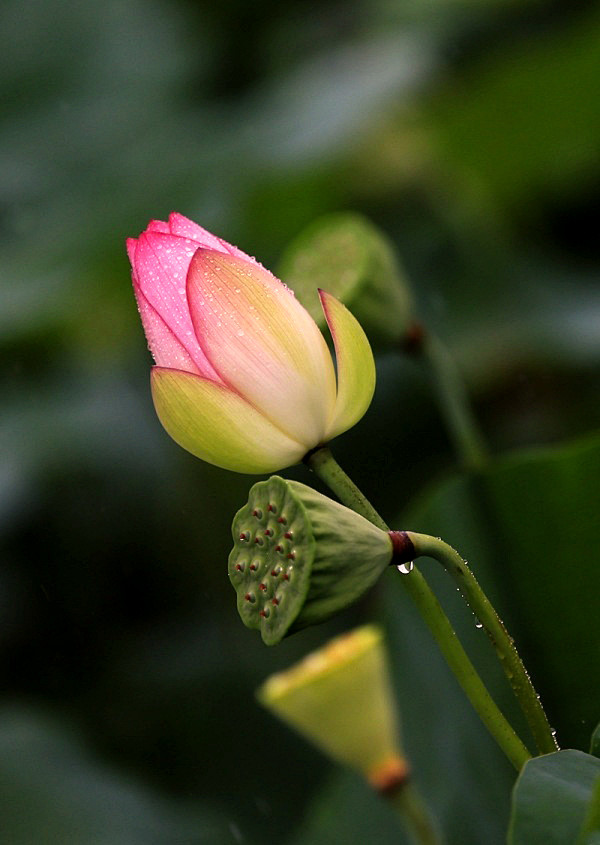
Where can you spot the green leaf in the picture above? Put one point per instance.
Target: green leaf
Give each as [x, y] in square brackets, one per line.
[552, 800]
[590, 832]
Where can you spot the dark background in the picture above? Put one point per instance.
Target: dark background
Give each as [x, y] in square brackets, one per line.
[470, 133]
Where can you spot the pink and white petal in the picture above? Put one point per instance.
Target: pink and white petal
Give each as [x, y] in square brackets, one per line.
[355, 365]
[160, 269]
[181, 225]
[219, 426]
[233, 250]
[158, 226]
[166, 350]
[263, 343]
[185, 228]
[131, 247]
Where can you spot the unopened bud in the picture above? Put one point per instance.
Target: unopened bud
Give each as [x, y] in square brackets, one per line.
[350, 257]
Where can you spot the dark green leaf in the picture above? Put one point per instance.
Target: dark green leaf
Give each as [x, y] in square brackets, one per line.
[55, 791]
[552, 798]
[590, 832]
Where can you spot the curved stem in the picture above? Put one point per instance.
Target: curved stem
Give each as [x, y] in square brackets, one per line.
[323, 464]
[409, 803]
[494, 627]
[454, 403]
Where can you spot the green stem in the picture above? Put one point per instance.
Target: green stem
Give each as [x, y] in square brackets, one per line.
[454, 403]
[503, 643]
[324, 465]
[410, 805]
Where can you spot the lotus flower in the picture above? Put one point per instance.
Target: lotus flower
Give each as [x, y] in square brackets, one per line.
[243, 376]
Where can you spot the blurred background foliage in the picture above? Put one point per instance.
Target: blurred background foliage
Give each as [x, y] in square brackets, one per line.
[469, 131]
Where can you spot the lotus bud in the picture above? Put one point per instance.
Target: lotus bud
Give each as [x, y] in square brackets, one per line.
[299, 557]
[340, 699]
[243, 378]
[348, 256]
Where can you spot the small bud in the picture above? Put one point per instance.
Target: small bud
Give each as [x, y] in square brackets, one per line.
[347, 255]
[340, 699]
[315, 558]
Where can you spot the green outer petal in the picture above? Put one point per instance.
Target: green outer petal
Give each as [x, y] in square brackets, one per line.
[355, 365]
[219, 426]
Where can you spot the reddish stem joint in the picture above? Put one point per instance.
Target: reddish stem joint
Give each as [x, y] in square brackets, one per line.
[403, 550]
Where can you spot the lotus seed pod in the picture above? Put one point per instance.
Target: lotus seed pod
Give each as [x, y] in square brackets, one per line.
[348, 256]
[340, 698]
[299, 557]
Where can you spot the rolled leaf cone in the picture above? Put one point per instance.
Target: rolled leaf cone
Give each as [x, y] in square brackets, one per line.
[299, 557]
[340, 699]
[350, 257]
